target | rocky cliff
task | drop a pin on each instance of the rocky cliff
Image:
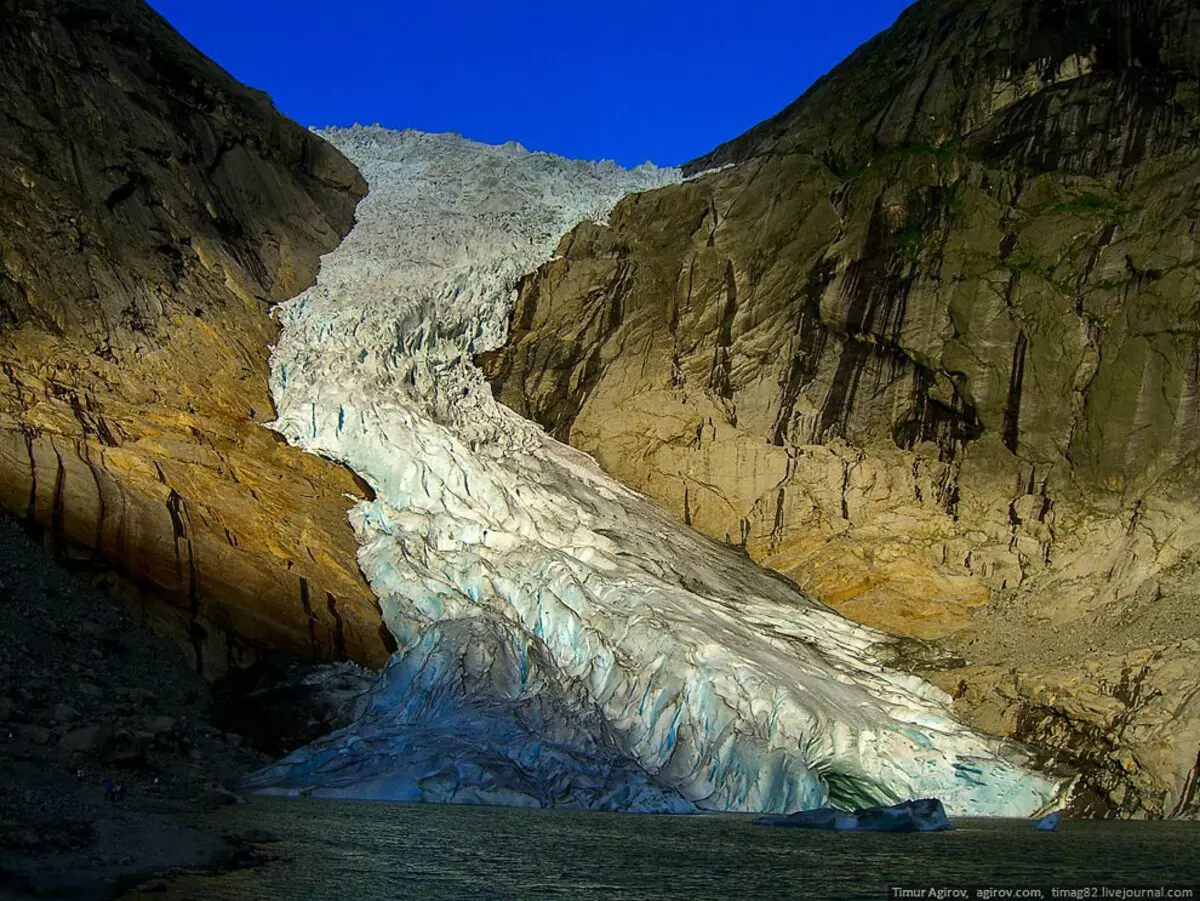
(151, 209)
(927, 344)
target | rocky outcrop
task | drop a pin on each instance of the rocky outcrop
(151, 209)
(926, 343)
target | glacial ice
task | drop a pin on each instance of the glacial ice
(561, 641)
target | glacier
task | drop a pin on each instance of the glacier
(561, 642)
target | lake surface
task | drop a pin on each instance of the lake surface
(362, 851)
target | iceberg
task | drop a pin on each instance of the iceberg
(1048, 823)
(827, 818)
(925, 815)
(560, 640)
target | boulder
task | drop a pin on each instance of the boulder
(93, 740)
(38, 735)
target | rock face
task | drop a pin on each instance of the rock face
(151, 209)
(927, 344)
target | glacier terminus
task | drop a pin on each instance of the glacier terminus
(561, 641)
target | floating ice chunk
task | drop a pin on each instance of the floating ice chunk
(925, 815)
(821, 818)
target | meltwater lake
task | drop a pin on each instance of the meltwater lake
(362, 851)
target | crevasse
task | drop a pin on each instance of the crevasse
(562, 642)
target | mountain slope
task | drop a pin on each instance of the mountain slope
(928, 346)
(151, 209)
(561, 641)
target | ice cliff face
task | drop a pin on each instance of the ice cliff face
(560, 640)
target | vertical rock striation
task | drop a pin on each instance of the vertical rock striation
(151, 209)
(927, 344)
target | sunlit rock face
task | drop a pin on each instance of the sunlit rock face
(925, 343)
(560, 640)
(151, 211)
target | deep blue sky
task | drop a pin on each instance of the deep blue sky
(605, 79)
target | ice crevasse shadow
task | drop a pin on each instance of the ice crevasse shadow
(561, 641)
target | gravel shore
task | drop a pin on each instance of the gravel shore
(89, 693)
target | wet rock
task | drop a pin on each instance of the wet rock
(925, 815)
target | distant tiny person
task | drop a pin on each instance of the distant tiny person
(110, 789)
(119, 792)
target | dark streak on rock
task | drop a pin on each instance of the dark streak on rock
(306, 605)
(339, 633)
(57, 517)
(86, 457)
(777, 526)
(720, 378)
(387, 639)
(177, 508)
(1012, 406)
(31, 513)
(1190, 793)
(121, 193)
(839, 402)
(950, 427)
(809, 346)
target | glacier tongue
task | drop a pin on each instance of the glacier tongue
(561, 641)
